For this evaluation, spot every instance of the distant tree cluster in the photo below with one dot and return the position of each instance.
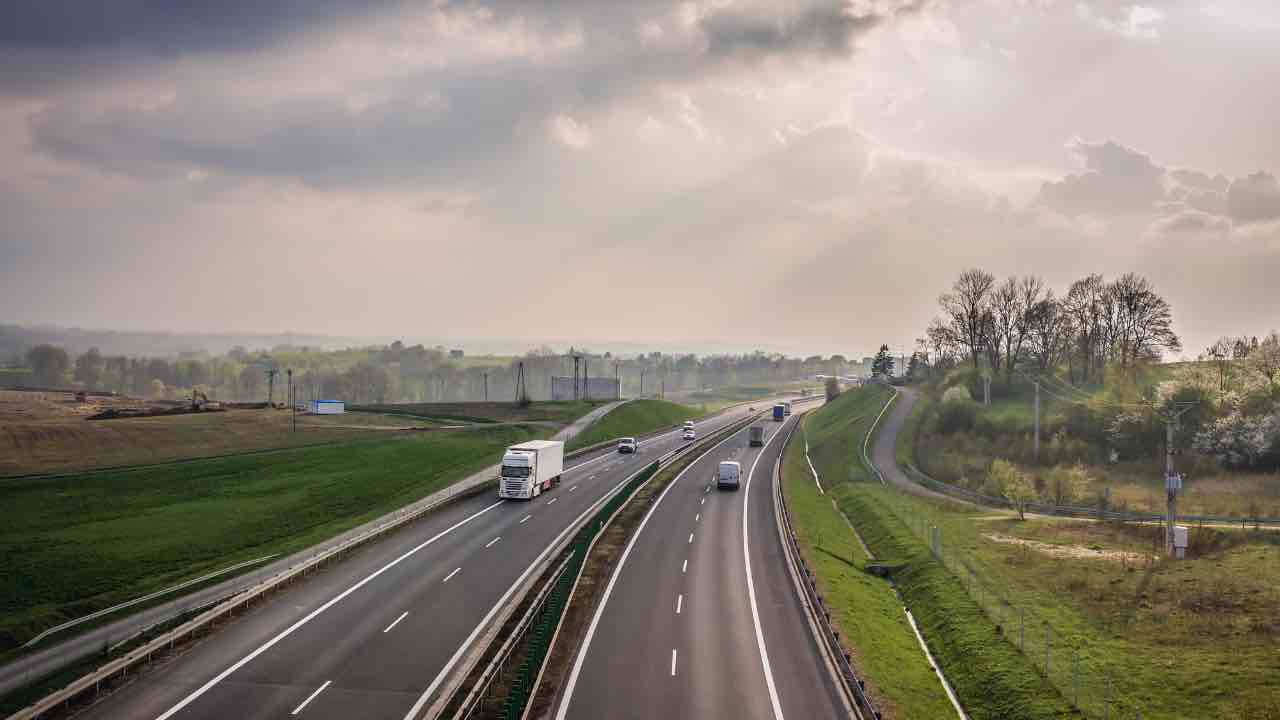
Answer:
(398, 372)
(1018, 321)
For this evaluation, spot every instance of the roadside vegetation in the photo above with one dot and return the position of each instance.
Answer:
(864, 607)
(73, 544)
(1095, 354)
(633, 418)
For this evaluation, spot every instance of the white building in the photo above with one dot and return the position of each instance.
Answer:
(328, 407)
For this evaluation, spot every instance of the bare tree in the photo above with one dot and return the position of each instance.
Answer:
(1050, 332)
(1005, 316)
(1145, 320)
(966, 308)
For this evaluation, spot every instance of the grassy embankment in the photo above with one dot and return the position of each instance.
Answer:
(864, 607)
(559, 413)
(77, 543)
(46, 444)
(720, 398)
(634, 418)
(992, 678)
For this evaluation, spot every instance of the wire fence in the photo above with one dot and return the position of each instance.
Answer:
(1077, 669)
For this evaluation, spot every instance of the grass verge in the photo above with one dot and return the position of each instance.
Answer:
(633, 418)
(561, 413)
(77, 543)
(863, 607)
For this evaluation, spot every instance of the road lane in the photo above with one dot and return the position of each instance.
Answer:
(720, 635)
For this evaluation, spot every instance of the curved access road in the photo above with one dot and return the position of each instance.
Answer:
(376, 635)
(701, 618)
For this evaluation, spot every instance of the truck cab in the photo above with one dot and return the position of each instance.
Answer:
(729, 474)
(529, 468)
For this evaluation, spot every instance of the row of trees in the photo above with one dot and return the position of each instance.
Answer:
(397, 372)
(1017, 321)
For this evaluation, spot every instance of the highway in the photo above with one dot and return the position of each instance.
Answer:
(375, 635)
(701, 619)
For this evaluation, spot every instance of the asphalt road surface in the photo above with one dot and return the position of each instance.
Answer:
(702, 619)
(374, 635)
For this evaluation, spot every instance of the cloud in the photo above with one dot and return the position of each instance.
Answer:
(570, 132)
(1254, 198)
(826, 30)
(1117, 180)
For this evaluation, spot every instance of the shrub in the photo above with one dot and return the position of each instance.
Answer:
(1067, 485)
(959, 393)
(1237, 441)
(1005, 480)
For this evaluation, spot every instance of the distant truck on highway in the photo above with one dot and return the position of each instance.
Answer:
(729, 474)
(786, 407)
(779, 411)
(529, 468)
(755, 436)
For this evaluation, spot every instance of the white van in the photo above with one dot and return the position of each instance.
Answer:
(729, 474)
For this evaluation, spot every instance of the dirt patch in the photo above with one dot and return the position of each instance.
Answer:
(1069, 552)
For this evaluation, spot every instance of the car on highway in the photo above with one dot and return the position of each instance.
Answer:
(627, 445)
(688, 424)
(728, 474)
(689, 434)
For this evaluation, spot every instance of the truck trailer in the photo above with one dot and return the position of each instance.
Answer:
(755, 436)
(529, 468)
(779, 411)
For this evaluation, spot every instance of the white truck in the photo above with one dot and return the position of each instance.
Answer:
(529, 468)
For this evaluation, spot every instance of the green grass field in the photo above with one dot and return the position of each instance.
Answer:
(864, 608)
(77, 543)
(561, 413)
(634, 418)
(1202, 632)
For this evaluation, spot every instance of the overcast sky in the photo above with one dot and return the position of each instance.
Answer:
(808, 174)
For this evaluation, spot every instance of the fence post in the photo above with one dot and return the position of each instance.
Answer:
(1075, 677)
(1022, 630)
(1048, 640)
(1106, 703)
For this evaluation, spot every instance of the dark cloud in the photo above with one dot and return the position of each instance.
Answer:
(170, 27)
(826, 30)
(1117, 180)
(1254, 198)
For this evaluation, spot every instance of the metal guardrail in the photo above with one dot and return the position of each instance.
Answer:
(150, 596)
(854, 686)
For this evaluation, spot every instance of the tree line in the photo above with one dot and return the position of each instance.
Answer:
(397, 373)
(1092, 325)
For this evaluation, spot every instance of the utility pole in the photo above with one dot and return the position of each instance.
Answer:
(271, 385)
(486, 386)
(586, 365)
(642, 381)
(1172, 480)
(1037, 455)
(522, 392)
(576, 359)
(617, 382)
(986, 390)
(293, 406)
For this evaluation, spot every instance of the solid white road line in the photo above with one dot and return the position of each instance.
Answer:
(552, 501)
(402, 616)
(608, 590)
(491, 542)
(751, 586)
(525, 519)
(679, 603)
(309, 617)
(685, 567)
(311, 697)
(449, 577)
